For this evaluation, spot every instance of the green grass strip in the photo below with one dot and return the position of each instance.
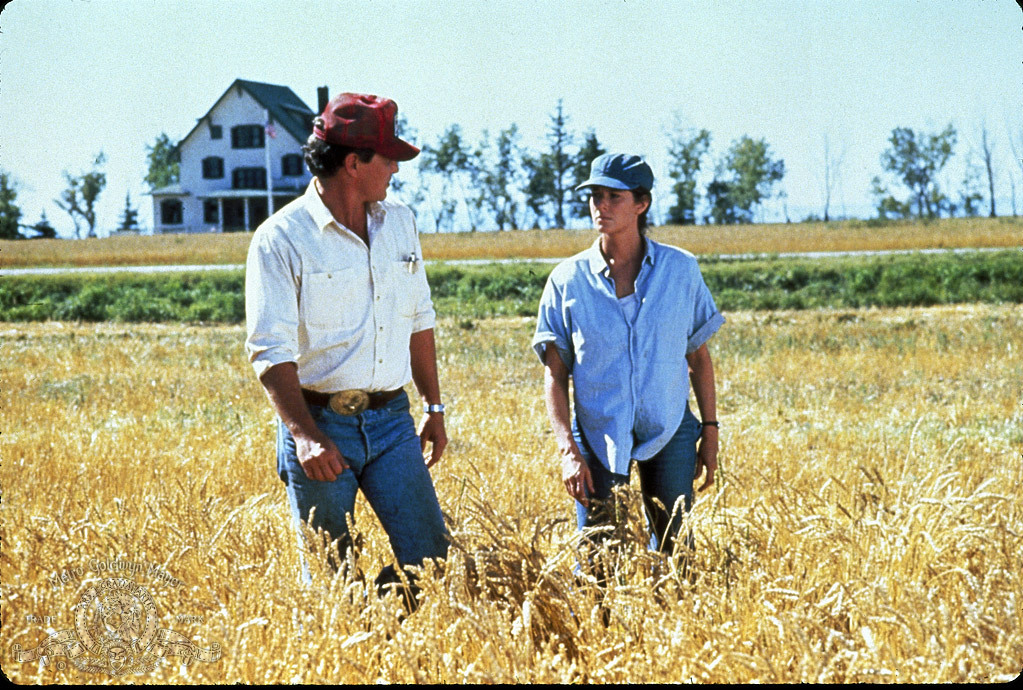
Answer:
(479, 291)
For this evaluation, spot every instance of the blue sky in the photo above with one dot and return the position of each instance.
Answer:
(80, 76)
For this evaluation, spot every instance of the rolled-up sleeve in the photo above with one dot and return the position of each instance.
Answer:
(706, 317)
(271, 304)
(551, 326)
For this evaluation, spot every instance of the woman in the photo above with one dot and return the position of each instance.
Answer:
(617, 318)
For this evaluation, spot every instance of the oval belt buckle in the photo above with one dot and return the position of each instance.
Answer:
(349, 402)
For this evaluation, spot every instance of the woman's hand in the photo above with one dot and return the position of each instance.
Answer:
(701, 374)
(707, 456)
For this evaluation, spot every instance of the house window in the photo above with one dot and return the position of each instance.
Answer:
(211, 211)
(291, 165)
(247, 137)
(213, 168)
(216, 132)
(248, 178)
(171, 212)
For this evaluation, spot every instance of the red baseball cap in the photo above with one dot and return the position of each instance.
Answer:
(363, 121)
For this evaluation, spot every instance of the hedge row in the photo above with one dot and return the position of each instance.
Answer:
(495, 289)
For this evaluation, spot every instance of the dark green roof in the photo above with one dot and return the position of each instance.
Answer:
(285, 107)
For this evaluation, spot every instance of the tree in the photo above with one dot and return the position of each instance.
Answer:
(987, 152)
(560, 161)
(10, 213)
(44, 229)
(887, 205)
(448, 160)
(500, 174)
(79, 199)
(832, 169)
(1012, 192)
(744, 179)
(719, 197)
(164, 163)
(129, 216)
(400, 186)
(971, 196)
(916, 160)
(549, 173)
(539, 183)
(590, 149)
(686, 149)
(475, 171)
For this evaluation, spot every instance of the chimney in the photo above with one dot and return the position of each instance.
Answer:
(322, 97)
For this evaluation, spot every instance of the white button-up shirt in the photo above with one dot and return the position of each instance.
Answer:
(316, 295)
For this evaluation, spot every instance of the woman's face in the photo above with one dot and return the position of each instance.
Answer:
(615, 210)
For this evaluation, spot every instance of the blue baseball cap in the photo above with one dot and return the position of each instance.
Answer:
(619, 171)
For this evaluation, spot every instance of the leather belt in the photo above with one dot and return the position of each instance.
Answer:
(351, 402)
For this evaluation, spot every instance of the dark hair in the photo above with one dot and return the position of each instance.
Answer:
(643, 194)
(324, 159)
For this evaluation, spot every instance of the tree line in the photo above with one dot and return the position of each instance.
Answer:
(78, 200)
(498, 183)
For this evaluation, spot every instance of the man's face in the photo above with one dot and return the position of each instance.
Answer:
(375, 176)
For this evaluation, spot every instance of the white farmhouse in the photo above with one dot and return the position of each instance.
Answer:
(246, 150)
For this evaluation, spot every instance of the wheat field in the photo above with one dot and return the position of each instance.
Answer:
(866, 526)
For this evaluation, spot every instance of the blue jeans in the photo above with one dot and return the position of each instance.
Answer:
(666, 477)
(385, 460)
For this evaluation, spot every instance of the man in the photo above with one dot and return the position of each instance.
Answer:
(339, 320)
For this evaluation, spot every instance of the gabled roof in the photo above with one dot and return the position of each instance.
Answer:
(285, 108)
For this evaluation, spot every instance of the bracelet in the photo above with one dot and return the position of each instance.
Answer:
(714, 423)
(434, 408)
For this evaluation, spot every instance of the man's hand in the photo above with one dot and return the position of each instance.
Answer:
(576, 475)
(320, 458)
(707, 456)
(431, 430)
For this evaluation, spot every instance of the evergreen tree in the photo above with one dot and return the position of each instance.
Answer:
(129, 216)
(10, 213)
(559, 138)
(539, 183)
(591, 148)
(44, 229)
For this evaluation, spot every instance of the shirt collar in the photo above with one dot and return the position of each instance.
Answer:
(322, 215)
(599, 265)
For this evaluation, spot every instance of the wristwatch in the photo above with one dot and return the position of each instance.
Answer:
(439, 407)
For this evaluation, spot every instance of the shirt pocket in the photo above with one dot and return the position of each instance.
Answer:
(333, 300)
(405, 286)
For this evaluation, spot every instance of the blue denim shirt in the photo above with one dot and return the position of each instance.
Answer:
(631, 380)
